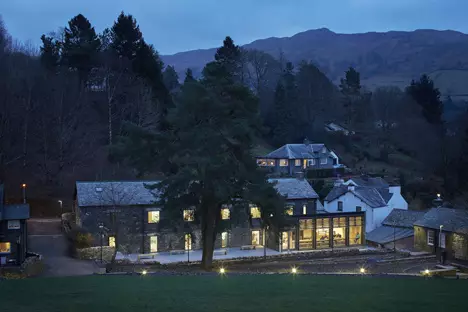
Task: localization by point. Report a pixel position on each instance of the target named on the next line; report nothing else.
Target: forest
(89, 106)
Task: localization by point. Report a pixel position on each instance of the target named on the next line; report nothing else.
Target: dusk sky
(180, 25)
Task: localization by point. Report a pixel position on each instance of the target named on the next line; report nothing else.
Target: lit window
(153, 244)
(289, 211)
(297, 162)
(225, 213)
(188, 241)
(311, 162)
(323, 161)
(153, 216)
(189, 215)
(340, 206)
(255, 212)
(111, 241)
(262, 162)
(283, 162)
(430, 238)
(5, 247)
(304, 209)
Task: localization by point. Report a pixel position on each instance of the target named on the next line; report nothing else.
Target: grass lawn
(233, 293)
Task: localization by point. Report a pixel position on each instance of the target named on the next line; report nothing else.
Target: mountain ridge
(379, 56)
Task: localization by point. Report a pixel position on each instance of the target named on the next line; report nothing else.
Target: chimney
(300, 175)
(351, 187)
(306, 142)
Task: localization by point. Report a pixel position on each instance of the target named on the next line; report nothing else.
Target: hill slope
(382, 58)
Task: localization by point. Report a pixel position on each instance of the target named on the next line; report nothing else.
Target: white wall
(397, 201)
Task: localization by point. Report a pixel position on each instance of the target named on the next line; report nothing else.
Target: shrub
(83, 240)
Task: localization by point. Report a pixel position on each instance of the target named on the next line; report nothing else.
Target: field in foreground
(233, 293)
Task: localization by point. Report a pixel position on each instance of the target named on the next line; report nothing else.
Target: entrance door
(188, 242)
(255, 238)
(284, 241)
(224, 239)
(153, 244)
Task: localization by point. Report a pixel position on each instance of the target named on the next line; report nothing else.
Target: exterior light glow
(426, 271)
(294, 270)
(222, 271)
(438, 195)
(362, 270)
(144, 272)
(23, 185)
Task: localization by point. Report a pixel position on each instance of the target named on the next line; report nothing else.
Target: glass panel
(305, 239)
(262, 162)
(289, 210)
(339, 232)
(224, 239)
(5, 247)
(283, 163)
(255, 212)
(284, 241)
(306, 224)
(188, 241)
(323, 223)
(153, 244)
(255, 238)
(304, 209)
(189, 215)
(292, 243)
(153, 216)
(225, 213)
(355, 237)
(111, 241)
(355, 221)
(297, 162)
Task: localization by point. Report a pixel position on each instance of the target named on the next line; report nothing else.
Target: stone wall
(460, 246)
(94, 253)
(420, 240)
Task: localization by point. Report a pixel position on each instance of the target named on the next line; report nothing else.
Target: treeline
(63, 106)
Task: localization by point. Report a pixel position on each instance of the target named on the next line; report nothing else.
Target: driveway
(46, 238)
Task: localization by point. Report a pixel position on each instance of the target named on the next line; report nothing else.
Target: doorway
(224, 239)
(153, 244)
(255, 238)
(188, 241)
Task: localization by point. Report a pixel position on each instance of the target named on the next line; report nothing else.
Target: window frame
(284, 162)
(189, 217)
(339, 206)
(253, 207)
(289, 210)
(228, 213)
(430, 237)
(304, 209)
(297, 162)
(112, 238)
(151, 243)
(322, 161)
(358, 208)
(310, 162)
(150, 220)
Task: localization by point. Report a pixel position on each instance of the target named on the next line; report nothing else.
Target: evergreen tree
(428, 97)
(188, 75)
(351, 84)
(81, 46)
(50, 53)
(229, 56)
(355, 102)
(281, 117)
(126, 36)
(171, 79)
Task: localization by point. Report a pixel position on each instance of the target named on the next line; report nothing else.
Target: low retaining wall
(94, 253)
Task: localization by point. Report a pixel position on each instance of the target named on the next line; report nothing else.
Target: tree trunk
(208, 237)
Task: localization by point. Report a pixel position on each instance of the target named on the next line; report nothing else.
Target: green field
(233, 293)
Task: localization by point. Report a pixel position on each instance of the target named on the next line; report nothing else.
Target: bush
(83, 240)
(33, 266)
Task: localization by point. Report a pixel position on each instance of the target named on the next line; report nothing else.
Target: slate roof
(295, 151)
(403, 218)
(453, 220)
(386, 234)
(294, 188)
(370, 196)
(122, 193)
(15, 212)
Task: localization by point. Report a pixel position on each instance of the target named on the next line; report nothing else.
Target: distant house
(443, 229)
(372, 195)
(292, 158)
(396, 231)
(13, 231)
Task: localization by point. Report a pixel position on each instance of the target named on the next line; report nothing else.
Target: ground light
(362, 270)
(143, 272)
(222, 271)
(294, 270)
(426, 271)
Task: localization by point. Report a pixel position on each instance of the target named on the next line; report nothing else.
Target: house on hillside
(13, 231)
(443, 231)
(374, 196)
(396, 231)
(131, 220)
(293, 158)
